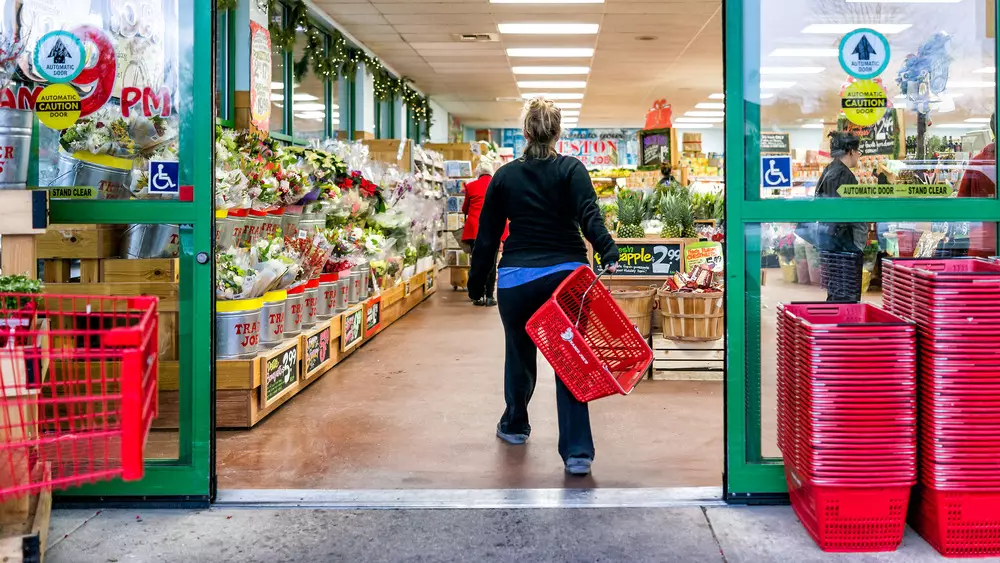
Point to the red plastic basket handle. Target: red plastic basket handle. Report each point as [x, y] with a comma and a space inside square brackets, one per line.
[583, 298]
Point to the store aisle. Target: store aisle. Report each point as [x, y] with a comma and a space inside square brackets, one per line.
[418, 405]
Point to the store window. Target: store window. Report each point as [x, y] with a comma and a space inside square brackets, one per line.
[222, 66]
[911, 83]
[309, 97]
[278, 80]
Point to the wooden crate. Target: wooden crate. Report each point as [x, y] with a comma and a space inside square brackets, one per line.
[79, 241]
[23, 539]
[685, 361]
[122, 270]
[388, 151]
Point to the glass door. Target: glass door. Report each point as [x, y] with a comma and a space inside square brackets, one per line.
[129, 172]
[892, 102]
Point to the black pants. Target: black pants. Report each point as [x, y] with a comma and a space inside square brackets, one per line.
[491, 276]
[517, 305]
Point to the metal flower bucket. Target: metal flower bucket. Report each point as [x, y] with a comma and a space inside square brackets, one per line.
[237, 328]
[272, 318]
[15, 148]
[106, 173]
[151, 241]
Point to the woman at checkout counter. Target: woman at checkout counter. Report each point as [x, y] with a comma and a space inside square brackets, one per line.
[980, 181]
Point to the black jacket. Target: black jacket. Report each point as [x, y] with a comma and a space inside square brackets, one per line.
[548, 202]
[836, 174]
[836, 237]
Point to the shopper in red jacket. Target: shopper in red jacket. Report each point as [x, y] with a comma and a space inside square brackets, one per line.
[980, 181]
[475, 195]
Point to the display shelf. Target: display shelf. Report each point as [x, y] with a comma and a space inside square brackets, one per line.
[241, 383]
[688, 361]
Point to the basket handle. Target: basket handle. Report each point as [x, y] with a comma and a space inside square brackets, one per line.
[583, 298]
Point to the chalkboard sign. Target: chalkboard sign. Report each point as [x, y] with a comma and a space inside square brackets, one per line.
[373, 315]
[654, 259]
[654, 147]
[317, 350]
[881, 138]
[352, 328]
[775, 143]
[429, 282]
[281, 372]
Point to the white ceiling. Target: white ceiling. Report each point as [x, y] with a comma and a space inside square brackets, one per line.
[683, 64]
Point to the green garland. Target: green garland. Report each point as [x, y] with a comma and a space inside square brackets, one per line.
[339, 60]
[226, 5]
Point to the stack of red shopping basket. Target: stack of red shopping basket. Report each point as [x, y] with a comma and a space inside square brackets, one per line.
[956, 305]
[847, 412]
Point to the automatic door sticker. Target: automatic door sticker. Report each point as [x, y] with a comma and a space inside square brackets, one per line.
[59, 56]
[864, 53]
[58, 106]
[864, 102]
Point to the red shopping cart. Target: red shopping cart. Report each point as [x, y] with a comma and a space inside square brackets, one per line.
[77, 389]
[589, 341]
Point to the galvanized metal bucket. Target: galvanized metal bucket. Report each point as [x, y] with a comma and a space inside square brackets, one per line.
[311, 303]
[15, 148]
[253, 227]
[327, 295]
[310, 225]
[151, 241]
[354, 294]
[365, 270]
[290, 221]
[272, 222]
[111, 182]
[272, 318]
[237, 328]
[294, 311]
[343, 292]
[236, 220]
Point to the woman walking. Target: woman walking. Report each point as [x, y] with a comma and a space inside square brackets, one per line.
[475, 196]
[548, 199]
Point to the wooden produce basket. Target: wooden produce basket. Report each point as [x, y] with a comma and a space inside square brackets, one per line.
[637, 304]
[692, 317]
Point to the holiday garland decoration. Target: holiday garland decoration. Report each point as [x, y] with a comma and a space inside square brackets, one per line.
[339, 59]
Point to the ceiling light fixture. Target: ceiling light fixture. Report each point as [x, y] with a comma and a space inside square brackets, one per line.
[957, 125]
[548, 28]
[705, 113]
[698, 120]
[310, 115]
[803, 52]
[569, 105]
[786, 70]
[304, 97]
[552, 84]
[813, 126]
[551, 70]
[978, 120]
[971, 84]
[843, 28]
[551, 52]
[985, 70]
[767, 95]
[308, 107]
[775, 85]
[696, 126]
[554, 95]
[277, 85]
[711, 105]
[717, 96]
[571, 113]
[903, 1]
[546, 1]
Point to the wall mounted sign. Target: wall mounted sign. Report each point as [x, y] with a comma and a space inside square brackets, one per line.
[59, 56]
[655, 147]
[864, 102]
[260, 77]
[864, 53]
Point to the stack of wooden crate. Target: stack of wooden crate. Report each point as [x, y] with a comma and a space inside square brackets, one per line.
[688, 361]
[94, 250]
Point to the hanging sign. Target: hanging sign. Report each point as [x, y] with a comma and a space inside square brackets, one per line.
[864, 102]
[864, 53]
[881, 137]
[654, 147]
[894, 190]
[775, 143]
[58, 106]
[373, 315]
[260, 74]
[59, 56]
[590, 151]
[281, 372]
[708, 253]
[655, 259]
[352, 330]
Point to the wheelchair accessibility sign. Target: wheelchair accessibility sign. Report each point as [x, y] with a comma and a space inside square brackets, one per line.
[164, 177]
[776, 171]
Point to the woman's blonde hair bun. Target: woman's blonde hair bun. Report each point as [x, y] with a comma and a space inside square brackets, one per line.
[542, 126]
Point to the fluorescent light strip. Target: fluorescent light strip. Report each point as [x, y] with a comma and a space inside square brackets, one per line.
[813, 126]
[551, 52]
[957, 125]
[277, 85]
[710, 105]
[554, 95]
[308, 107]
[552, 84]
[698, 120]
[705, 113]
[843, 28]
[548, 28]
[546, 1]
[971, 84]
[569, 105]
[717, 96]
[696, 126]
[775, 85]
[803, 52]
[903, 1]
[790, 70]
[978, 120]
[571, 113]
[304, 97]
[985, 70]
[553, 70]
[767, 95]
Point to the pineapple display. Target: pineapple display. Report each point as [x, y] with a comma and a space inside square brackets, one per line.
[631, 209]
[678, 221]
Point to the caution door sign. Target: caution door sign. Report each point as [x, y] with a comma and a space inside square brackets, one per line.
[864, 102]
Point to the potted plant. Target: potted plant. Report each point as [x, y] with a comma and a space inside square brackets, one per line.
[20, 348]
[784, 247]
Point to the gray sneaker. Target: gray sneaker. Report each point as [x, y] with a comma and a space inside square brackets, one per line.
[512, 439]
[578, 466]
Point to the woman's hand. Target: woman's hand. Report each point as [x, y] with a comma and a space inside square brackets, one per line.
[613, 267]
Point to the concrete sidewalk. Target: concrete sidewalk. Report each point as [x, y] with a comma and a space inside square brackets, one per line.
[726, 535]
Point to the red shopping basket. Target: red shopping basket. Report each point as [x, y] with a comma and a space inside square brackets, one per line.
[77, 389]
[590, 343]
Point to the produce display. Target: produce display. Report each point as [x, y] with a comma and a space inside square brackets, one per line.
[669, 211]
[701, 279]
[631, 213]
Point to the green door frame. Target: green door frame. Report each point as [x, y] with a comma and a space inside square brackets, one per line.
[750, 477]
[190, 478]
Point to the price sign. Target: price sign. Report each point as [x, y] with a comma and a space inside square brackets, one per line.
[352, 328]
[317, 350]
[647, 259]
[280, 375]
[373, 315]
[654, 147]
[775, 143]
[709, 253]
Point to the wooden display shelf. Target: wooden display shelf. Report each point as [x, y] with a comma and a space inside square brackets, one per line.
[24, 533]
[688, 361]
[391, 151]
[239, 383]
